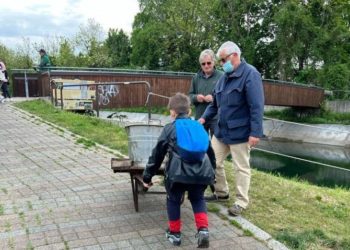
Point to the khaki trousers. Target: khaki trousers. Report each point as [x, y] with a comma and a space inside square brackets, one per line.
[240, 158]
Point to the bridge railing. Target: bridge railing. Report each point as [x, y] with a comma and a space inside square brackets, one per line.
[167, 83]
[106, 70]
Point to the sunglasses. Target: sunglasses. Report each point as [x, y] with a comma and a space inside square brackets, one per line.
[205, 63]
[223, 60]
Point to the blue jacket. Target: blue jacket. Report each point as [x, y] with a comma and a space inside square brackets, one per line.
[239, 104]
[177, 170]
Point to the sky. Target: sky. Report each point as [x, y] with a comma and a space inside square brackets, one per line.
[37, 19]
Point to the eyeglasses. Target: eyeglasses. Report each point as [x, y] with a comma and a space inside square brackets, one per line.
[223, 60]
[205, 63]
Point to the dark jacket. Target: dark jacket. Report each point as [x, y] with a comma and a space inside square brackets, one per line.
[239, 104]
[167, 144]
[205, 86]
[44, 63]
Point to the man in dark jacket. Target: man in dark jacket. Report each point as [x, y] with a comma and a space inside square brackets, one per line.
[44, 61]
[239, 104]
[182, 175]
[202, 87]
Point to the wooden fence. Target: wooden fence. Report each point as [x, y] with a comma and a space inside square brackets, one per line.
[276, 92]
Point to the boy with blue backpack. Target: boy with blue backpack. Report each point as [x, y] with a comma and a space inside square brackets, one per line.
[191, 167]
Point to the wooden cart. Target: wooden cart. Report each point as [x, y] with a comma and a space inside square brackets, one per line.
[128, 166]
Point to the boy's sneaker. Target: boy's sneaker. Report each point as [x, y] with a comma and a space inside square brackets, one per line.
[203, 238]
[214, 197]
[174, 238]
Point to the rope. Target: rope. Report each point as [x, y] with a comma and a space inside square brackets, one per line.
[151, 93]
[300, 159]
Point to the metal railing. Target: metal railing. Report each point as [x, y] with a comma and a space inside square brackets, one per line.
[280, 82]
[55, 86]
[108, 70]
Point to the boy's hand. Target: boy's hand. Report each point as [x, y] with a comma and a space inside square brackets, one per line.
[147, 185]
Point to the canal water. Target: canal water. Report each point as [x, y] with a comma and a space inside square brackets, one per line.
[333, 171]
[335, 160]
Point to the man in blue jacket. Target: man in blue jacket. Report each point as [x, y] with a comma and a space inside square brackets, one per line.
[239, 105]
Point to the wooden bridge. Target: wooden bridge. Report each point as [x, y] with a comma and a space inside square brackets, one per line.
[277, 93]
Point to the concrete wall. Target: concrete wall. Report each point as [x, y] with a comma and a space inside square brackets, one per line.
[308, 150]
[271, 107]
[338, 135]
[339, 106]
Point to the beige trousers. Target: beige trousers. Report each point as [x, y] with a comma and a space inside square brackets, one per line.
[240, 158]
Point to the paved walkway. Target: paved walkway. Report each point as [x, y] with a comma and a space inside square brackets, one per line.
[56, 194]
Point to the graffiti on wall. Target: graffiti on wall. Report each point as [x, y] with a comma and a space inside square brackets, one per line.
[106, 92]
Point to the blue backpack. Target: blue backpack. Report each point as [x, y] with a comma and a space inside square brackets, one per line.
[192, 140]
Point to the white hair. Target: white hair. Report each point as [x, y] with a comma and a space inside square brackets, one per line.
[207, 52]
[229, 48]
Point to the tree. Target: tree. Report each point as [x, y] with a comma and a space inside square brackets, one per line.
[294, 45]
[336, 77]
[89, 42]
[98, 55]
[118, 47]
[24, 54]
[66, 57]
[89, 34]
[173, 33]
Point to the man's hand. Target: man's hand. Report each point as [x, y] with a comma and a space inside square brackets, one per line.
[200, 98]
[201, 120]
[253, 141]
[208, 98]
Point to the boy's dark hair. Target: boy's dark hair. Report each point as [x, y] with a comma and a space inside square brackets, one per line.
[180, 103]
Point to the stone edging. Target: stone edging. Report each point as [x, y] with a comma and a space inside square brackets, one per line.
[258, 233]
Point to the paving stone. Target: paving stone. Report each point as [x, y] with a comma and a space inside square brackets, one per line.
[94, 247]
[70, 197]
[104, 239]
[82, 242]
[108, 246]
[38, 242]
[122, 243]
[150, 239]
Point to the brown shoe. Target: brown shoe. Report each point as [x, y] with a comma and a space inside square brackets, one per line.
[235, 210]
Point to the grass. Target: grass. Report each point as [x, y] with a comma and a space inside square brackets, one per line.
[323, 117]
[29, 205]
[97, 131]
[86, 143]
[301, 215]
[38, 219]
